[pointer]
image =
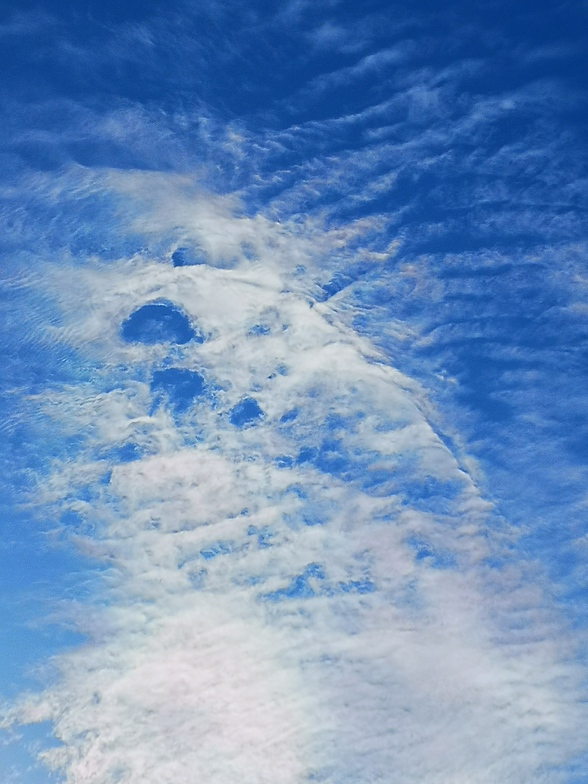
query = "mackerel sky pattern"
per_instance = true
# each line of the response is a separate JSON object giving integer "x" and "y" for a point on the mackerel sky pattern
{"x": 294, "y": 354}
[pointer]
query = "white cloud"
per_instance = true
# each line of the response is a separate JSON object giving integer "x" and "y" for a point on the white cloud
{"x": 264, "y": 622}
{"x": 377, "y": 62}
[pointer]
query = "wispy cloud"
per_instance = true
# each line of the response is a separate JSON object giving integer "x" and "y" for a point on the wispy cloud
{"x": 276, "y": 593}
{"x": 333, "y": 555}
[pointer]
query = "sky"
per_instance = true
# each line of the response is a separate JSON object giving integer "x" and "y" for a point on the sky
{"x": 293, "y": 442}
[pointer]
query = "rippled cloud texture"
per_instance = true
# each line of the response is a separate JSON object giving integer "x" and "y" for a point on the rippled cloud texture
{"x": 294, "y": 411}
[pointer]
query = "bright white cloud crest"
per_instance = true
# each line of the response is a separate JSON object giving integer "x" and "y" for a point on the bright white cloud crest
{"x": 280, "y": 604}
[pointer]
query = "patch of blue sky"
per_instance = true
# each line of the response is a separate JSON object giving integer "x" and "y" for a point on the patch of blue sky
{"x": 341, "y": 280}
{"x": 31, "y": 438}
{"x": 374, "y": 473}
{"x": 126, "y": 453}
{"x": 263, "y": 535}
{"x": 159, "y": 322}
{"x": 217, "y": 548}
{"x": 330, "y": 439}
{"x": 313, "y": 582}
{"x": 302, "y": 586}
{"x": 284, "y": 461}
{"x": 180, "y": 386}
{"x": 187, "y": 257}
{"x": 20, "y": 754}
{"x": 245, "y": 413}
{"x": 40, "y": 569}
{"x": 260, "y": 329}
{"x": 39, "y": 572}
{"x": 289, "y": 416}
{"x": 357, "y": 586}
{"x": 40, "y": 228}
{"x": 503, "y": 327}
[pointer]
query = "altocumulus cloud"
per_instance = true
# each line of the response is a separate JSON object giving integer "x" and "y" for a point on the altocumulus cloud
{"x": 297, "y": 568}
{"x": 292, "y": 365}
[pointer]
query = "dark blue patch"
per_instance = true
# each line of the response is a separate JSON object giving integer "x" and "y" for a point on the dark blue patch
{"x": 341, "y": 280}
{"x": 334, "y": 286}
{"x": 185, "y": 257}
{"x": 332, "y": 458}
{"x": 357, "y": 586}
{"x": 284, "y": 461}
{"x": 127, "y": 453}
{"x": 86, "y": 493}
{"x": 245, "y": 412}
{"x": 299, "y": 587}
{"x": 179, "y": 385}
{"x": 158, "y": 322}
{"x": 307, "y": 455}
{"x": 315, "y": 570}
{"x": 178, "y": 257}
{"x": 218, "y": 548}
{"x": 382, "y": 478}
{"x": 289, "y": 416}
{"x": 259, "y": 329}
{"x": 71, "y": 519}
{"x": 311, "y": 521}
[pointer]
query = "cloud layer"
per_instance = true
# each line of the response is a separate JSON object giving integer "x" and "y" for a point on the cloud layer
{"x": 296, "y": 355}
{"x": 299, "y": 586}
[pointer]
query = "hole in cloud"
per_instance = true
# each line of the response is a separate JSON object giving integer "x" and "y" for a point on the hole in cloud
{"x": 425, "y": 552}
{"x": 357, "y": 586}
{"x": 246, "y": 412}
{"x": 259, "y": 329}
{"x": 263, "y": 535}
{"x": 331, "y": 458}
{"x": 186, "y": 257}
{"x": 307, "y": 455}
{"x": 218, "y": 548}
{"x": 127, "y": 453}
{"x": 158, "y": 322}
{"x": 179, "y": 385}
{"x": 284, "y": 461}
{"x": 299, "y": 587}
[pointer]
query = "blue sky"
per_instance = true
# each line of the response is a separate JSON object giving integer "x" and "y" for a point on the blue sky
{"x": 293, "y": 440}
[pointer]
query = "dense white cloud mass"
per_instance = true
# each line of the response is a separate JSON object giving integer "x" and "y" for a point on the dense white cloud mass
{"x": 302, "y": 593}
